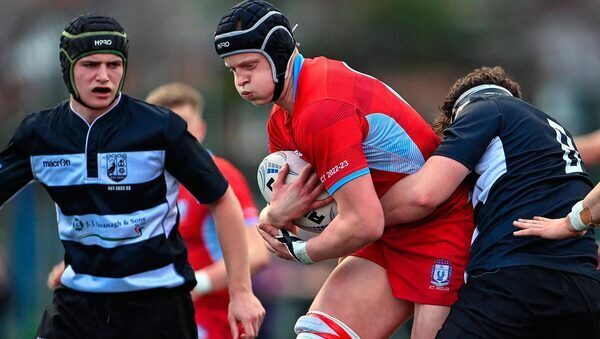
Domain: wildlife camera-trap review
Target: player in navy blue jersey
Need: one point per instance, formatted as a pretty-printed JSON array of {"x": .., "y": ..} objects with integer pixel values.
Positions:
[
  {"x": 584, "y": 215},
  {"x": 112, "y": 163},
  {"x": 522, "y": 163}
]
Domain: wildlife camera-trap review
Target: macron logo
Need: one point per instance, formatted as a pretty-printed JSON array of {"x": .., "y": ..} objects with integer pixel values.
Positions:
[
  {"x": 56, "y": 163},
  {"x": 223, "y": 44},
  {"x": 103, "y": 42}
]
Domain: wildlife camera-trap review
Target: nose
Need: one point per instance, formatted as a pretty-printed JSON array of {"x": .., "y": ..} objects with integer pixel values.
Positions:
[
  {"x": 241, "y": 78},
  {"x": 102, "y": 74}
]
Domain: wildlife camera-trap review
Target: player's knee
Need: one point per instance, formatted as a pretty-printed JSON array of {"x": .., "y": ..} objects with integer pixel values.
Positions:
[{"x": 318, "y": 325}]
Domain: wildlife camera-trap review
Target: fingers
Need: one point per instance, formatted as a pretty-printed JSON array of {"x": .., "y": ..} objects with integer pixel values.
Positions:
[
  {"x": 250, "y": 327},
  {"x": 283, "y": 172},
  {"x": 313, "y": 183},
  {"x": 528, "y": 227},
  {"x": 269, "y": 229},
  {"x": 528, "y": 232},
  {"x": 233, "y": 327},
  {"x": 268, "y": 233},
  {"x": 269, "y": 240},
  {"x": 246, "y": 330},
  {"x": 528, "y": 223},
  {"x": 51, "y": 282},
  {"x": 268, "y": 246},
  {"x": 306, "y": 173},
  {"x": 55, "y": 274},
  {"x": 320, "y": 203}
]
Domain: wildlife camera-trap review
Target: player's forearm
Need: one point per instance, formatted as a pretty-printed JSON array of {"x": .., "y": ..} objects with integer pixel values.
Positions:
[
  {"x": 592, "y": 202},
  {"x": 419, "y": 194},
  {"x": 232, "y": 238},
  {"x": 344, "y": 236},
  {"x": 409, "y": 200},
  {"x": 358, "y": 222},
  {"x": 588, "y": 147}
]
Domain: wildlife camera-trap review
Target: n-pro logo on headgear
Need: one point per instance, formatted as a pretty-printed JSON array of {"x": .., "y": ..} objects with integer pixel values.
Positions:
[
  {"x": 223, "y": 44},
  {"x": 103, "y": 42}
]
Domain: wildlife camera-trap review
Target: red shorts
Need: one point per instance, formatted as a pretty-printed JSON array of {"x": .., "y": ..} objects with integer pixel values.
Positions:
[
  {"x": 211, "y": 317},
  {"x": 426, "y": 261}
]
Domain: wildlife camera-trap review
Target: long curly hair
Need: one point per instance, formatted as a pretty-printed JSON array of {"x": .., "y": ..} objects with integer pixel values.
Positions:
[{"x": 480, "y": 76}]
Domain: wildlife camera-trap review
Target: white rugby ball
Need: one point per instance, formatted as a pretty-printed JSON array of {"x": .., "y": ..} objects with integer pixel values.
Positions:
[{"x": 315, "y": 220}]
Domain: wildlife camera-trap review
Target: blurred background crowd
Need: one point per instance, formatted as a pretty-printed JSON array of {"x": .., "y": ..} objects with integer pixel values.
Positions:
[{"x": 417, "y": 47}]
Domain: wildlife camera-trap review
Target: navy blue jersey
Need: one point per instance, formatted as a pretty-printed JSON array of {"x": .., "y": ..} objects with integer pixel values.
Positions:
[
  {"x": 115, "y": 188},
  {"x": 524, "y": 164}
]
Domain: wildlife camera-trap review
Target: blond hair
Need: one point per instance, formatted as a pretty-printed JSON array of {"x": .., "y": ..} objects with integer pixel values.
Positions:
[{"x": 176, "y": 94}]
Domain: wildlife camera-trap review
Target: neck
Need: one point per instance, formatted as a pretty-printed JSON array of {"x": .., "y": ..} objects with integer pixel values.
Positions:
[
  {"x": 286, "y": 99},
  {"x": 90, "y": 114}
]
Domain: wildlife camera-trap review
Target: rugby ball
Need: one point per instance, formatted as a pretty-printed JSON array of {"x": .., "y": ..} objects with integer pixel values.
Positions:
[{"x": 315, "y": 220}]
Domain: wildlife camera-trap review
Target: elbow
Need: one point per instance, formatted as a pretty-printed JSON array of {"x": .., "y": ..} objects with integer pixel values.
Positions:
[
  {"x": 371, "y": 230},
  {"x": 425, "y": 201}
]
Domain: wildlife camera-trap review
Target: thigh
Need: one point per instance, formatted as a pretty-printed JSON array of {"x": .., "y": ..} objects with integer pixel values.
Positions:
[
  {"x": 576, "y": 312},
  {"x": 358, "y": 293},
  {"x": 426, "y": 264},
  {"x": 496, "y": 304},
  {"x": 69, "y": 316},
  {"x": 157, "y": 318}
]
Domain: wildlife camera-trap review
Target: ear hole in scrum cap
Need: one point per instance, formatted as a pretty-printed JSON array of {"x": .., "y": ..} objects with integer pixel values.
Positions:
[
  {"x": 257, "y": 27},
  {"x": 465, "y": 98}
]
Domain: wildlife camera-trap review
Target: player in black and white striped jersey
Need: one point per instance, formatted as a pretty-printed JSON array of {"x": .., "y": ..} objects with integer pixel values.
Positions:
[{"x": 112, "y": 164}]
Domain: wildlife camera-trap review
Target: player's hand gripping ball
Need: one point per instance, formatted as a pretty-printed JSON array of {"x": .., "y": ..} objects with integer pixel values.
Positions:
[{"x": 315, "y": 220}]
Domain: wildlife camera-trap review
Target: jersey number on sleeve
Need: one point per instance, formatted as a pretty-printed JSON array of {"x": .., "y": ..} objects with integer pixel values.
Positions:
[{"x": 571, "y": 156}]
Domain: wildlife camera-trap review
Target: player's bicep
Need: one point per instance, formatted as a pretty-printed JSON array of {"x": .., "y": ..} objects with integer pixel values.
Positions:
[
  {"x": 440, "y": 176},
  {"x": 15, "y": 171},
  {"x": 332, "y": 139},
  {"x": 358, "y": 203},
  {"x": 416, "y": 196},
  {"x": 467, "y": 138},
  {"x": 193, "y": 166}
]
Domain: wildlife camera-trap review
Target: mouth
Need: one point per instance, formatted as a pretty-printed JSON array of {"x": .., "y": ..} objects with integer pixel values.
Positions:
[
  {"x": 246, "y": 94},
  {"x": 101, "y": 90}
]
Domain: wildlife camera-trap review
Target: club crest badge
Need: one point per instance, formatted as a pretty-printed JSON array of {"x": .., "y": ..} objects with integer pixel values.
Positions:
[
  {"x": 441, "y": 271},
  {"x": 116, "y": 166},
  {"x": 77, "y": 224}
]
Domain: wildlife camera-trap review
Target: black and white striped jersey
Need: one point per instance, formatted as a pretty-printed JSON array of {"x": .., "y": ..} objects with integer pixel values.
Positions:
[
  {"x": 115, "y": 184},
  {"x": 524, "y": 164}
]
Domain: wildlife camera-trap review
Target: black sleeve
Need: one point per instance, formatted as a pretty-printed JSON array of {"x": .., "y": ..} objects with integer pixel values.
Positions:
[
  {"x": 15, "y": 166},
  {"x": 191, "y": 164},
  {"x": 468, "y": 137}
]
